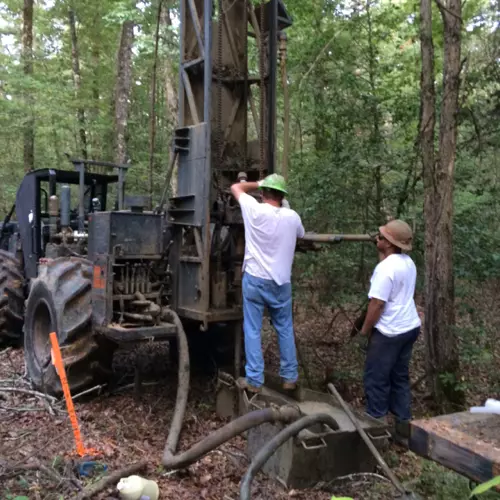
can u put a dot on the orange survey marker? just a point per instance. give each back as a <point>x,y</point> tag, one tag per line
<point>59,365</point>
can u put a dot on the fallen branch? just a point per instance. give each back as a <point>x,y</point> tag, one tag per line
<point>107,481</point>
<point>29,392</point>
<point>132,386</point>
<point>88,391</point>
<point>63,433</point>
<point>360,475</point>
<point>15,438</point>
<point>16,469</point>
<point>420,380</point>
<point>20,409</point>
<point>11,381</point>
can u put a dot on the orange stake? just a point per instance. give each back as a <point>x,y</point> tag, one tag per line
<point>57,361</point>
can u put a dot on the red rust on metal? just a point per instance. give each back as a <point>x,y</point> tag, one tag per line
<point>99,280</point>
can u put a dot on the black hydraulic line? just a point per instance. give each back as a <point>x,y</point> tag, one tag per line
<point>270,448</point>
<point>229,431</point>
<point>182,388</point>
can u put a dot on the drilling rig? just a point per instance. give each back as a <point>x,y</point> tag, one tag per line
<point>215,141</point>
<point>103,277</point>
<point>226,129</point>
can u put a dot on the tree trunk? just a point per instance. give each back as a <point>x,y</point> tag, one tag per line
<point>122,90</point>
<point>152,115</point>
<point>27,56</point>
<point>75,59</point>
<point>438,176</point>
<point>101,146</point>
<point>376,139</point>
<point>169,86</point>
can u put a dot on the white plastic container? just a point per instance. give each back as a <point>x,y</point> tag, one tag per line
<point>481,409</point>
<point>493,405</point>
<point>137,488</point>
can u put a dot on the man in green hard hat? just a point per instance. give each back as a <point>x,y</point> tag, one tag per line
<point>271,232</point>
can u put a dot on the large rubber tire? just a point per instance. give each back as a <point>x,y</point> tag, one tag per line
<point>11,299</point>
<point>60,301</point>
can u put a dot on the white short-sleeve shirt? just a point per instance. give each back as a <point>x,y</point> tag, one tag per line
<point>393,281</point>
<point>270,237</point>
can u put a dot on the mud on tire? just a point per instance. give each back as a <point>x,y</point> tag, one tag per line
<point>60,301</point>
<point>11,299</point>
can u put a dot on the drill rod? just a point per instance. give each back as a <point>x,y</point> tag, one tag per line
<point>337,238</point>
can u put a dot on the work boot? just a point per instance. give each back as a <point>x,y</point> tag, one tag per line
<point>383,420</point>
<point>243,384</point>
<point>380,443</point>
<point>289,386</point>
<point>401,433</point>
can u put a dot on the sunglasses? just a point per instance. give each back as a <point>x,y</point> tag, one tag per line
<point>381,237</point>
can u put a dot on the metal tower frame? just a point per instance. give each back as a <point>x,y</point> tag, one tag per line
<point>215,100</point>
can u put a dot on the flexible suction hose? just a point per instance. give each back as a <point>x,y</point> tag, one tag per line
<point>270,448</point>
<point>229,431</point>
<point>182,387</point>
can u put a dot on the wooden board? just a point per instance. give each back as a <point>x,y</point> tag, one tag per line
<point>468,443</point>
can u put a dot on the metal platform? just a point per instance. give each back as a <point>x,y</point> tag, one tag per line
<point>468,443</point>
<point>319,453</point>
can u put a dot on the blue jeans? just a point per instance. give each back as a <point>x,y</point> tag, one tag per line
<point>387,379</point>
<point>259,293</point>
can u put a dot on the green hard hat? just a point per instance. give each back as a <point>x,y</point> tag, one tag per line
<point>276,182</point>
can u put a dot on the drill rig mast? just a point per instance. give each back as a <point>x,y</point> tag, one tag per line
<point>215,140</point>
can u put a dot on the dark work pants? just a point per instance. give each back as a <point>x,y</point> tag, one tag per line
<point>387,379</point>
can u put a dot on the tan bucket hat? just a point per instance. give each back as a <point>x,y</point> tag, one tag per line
<point>398,233</point>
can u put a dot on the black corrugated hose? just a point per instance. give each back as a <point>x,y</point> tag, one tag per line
<point>270,448</point>
<point>170,460</point>
<point>182,387</point>
<point>238,426</point>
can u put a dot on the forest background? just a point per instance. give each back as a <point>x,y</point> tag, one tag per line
<point>99,79</point>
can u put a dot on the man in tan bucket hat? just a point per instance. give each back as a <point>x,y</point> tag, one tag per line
<point>392,325</point>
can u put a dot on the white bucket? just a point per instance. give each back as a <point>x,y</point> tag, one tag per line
<point>138,488</point>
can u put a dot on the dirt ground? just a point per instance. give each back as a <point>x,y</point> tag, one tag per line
<point>36,459</point>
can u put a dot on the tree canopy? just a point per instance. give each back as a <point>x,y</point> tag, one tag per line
<point>354,83</point>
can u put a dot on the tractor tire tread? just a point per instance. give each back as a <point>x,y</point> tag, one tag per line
<point>11,299</point>
<point>65,283</point>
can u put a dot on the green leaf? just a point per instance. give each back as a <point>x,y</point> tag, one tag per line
<point>482,488</point>
<point>341,498</point>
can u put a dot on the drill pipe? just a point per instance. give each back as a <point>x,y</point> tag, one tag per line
<point>337,238</point>
<point>229,431</point>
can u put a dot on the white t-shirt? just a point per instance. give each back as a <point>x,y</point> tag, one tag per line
<point>270,237</point>
<point>393,281</point>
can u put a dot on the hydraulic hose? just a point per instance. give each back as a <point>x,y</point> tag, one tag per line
<point>270,448</point>
<point>229,431</point>
<point>182,388</point>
